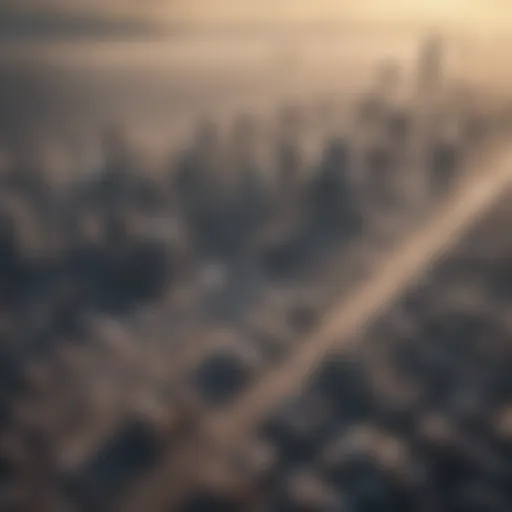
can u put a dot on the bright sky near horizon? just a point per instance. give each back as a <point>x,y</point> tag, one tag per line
<point>479,13</point>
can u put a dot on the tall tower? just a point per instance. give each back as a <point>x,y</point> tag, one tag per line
<point>388,80</point>
<point>426,117</point>
<point>430,72</point>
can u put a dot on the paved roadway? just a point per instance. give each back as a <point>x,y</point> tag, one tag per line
<point>228,428</point>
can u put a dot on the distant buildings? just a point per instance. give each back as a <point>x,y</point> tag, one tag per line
<point>120,253</point>
<point>430,67</point>
<point>426,120</point>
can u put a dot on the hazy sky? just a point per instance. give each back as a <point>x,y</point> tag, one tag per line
<point>472,12</point>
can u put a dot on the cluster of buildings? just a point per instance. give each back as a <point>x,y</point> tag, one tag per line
<point>87,406</point>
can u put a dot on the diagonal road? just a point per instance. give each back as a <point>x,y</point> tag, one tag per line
<point>404,266</point>
<point>227,428</point>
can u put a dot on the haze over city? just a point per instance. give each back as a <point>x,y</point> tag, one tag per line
<point>255,256</point>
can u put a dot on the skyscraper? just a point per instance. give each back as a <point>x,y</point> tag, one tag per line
<point>430,69</point>
<point>426,117</point>
<point>388,80</point>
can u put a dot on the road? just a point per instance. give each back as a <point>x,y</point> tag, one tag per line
<point>399,272</point>
<point>228,428</point>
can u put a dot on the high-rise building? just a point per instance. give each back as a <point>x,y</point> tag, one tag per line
<point>426,118</point>
<point>388,80</point>
<point>430,72</point>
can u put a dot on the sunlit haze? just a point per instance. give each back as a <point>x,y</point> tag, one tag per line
<point>480,14</point>
<point>458,11</point>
